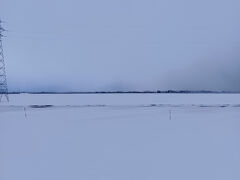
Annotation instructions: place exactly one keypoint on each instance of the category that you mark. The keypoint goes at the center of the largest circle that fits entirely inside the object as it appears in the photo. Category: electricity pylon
(3, 78)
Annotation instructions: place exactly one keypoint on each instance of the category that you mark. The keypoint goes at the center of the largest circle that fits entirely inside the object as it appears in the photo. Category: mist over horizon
(128, 45)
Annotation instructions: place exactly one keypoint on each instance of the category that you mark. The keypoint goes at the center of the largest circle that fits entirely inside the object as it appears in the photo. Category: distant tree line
(128, 92)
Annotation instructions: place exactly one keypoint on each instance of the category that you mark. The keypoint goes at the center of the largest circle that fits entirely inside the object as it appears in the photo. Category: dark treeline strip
(131, 92)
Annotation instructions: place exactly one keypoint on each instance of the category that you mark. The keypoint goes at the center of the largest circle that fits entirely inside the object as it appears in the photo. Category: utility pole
(3, 78)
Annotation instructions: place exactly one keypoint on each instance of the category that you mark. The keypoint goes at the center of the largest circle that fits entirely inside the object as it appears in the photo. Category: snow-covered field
(120, 137)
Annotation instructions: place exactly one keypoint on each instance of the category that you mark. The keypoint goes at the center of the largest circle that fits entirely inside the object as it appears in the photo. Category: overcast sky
(89, 45)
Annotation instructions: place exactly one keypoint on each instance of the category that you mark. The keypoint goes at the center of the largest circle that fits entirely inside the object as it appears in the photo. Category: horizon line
(128, 92)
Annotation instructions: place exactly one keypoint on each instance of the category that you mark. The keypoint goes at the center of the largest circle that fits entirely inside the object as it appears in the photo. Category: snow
(123, 99)
(120, 136)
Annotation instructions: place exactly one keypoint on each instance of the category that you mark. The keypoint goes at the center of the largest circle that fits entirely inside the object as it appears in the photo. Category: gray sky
(75, 45)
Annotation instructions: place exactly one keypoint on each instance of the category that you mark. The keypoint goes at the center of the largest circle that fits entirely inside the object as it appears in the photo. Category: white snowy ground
(120, 137)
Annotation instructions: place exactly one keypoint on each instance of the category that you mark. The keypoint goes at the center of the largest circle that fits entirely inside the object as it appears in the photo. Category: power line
(3, 78)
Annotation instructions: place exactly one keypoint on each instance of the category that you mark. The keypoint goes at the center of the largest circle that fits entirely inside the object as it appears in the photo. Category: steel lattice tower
(3, 78)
